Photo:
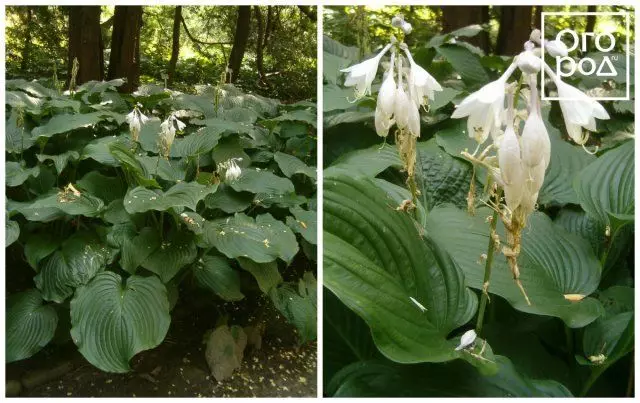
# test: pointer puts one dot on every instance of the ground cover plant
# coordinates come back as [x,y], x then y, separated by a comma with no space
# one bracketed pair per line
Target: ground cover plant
[120,204]
[478,241]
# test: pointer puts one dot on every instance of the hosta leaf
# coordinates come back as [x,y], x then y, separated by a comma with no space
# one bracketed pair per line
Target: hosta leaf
[606,186]
[70,202]
[216,125]
[553,263]
[76,263]
[169,170]
[193,221]
[444,179]
[464,62]
[367,162]
[298,305]
[228,200]
[130,164]
[290,165]
[287,200]
[304,223]
[17,139]
[299,115]
[259,181]
[60,161]
[576,221]
[16,174]
[99,150]
[135,250]
[33,212]
[263,240]
[566,162]
[183,194]
[266,274]
[114,320]
[200,142]
[106,188]
[30,325]
[375,261]
[21,100]
[11,231]
[216,274]
[67,122]
[457,379]
[171,255]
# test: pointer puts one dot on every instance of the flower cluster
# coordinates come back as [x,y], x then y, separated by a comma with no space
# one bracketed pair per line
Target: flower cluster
[136,119]
[168,130]
[522,158]
[231,169]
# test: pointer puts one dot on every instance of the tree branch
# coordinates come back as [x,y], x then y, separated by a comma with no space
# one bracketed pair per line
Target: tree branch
[309,12]
[199,42]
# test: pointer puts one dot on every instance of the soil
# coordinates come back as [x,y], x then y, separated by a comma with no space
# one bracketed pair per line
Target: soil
[177,368]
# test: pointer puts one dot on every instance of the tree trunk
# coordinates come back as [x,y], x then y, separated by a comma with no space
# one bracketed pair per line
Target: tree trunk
[259,42]
[26,50]
[240,38]
[537,18]
[125,47]
[309,11]
[591,25]
[175,48]
[515,29]
[454,17]
[85,43]
[268,28]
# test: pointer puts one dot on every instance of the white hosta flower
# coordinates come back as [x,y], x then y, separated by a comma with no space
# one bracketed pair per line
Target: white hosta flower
[136,119]
[535,177]
[536,146]
[528,62]
[467,339]
[402,107]
[406,28]
[422,84]
[511,170]
[362,74]
[233,172]
[556,48]
[579,111]
[383,122]
[484,108]
[387,93]
[168,134]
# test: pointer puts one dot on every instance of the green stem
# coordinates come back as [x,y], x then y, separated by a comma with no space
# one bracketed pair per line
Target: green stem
[595,374]
[487,273]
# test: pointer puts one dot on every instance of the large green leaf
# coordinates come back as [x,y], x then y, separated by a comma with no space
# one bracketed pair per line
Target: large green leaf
[30,325]
[290,165]
[464,62]
[216,274]
[458,379]
[69,202]
[17,138]
[605,187]
[99,150]
[79,260]
[576,221]
[262,240]
[114,320]
[60,161]
[130,164]
[183,194]
[228,200]
[266,274]
[367,162]
[200,142]
[16,174]
[304,223]
[107,188]
[261,181]
[553,263]
[298,305]
[376,261]
[168,169]
[66,122]
[11,231]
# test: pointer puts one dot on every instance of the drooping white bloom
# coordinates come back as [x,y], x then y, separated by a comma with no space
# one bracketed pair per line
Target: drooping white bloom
[579,110]
[362,74]
[407,28]
[510,162]
[421,83]
[233,172]
[383,122]
[387,93]
[168,134]
[136,119]
[536,146]
[467,339]
[527,61]
[484,108]
[405,111]
[556,48]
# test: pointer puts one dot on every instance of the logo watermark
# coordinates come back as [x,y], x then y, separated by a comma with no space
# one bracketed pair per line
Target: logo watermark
[607,63]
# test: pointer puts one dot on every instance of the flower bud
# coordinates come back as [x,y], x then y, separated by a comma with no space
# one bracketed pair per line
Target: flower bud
[528,62]
[467,339]
[556,48]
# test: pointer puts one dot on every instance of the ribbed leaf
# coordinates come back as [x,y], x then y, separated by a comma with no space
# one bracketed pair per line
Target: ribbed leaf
[375,261]
[606,186]
[368,162]
[263,240]
[553,263]
[60,161]
[71,203]
[66,122]
[106,188]
[290,165]
[228,200]
[259,181]
[183,194]
[11,231]
[266,274]
[298,305]
[114,320]
[304,223]
[16,174]
[30,325]
[200,142]
[80,259]
[216,274]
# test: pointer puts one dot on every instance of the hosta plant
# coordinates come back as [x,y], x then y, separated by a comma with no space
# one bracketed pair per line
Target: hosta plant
[114,201]
[507,269]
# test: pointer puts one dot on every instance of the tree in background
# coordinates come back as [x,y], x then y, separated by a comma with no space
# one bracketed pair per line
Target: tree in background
[454,17]
[243,23]
[85,43]
[175,45]
[515,28]
[125,46]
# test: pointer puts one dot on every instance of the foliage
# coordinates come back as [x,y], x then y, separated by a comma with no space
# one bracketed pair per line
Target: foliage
[380,257]
[111,229]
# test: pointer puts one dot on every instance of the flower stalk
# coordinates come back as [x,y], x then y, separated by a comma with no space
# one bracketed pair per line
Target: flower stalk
[484,298]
